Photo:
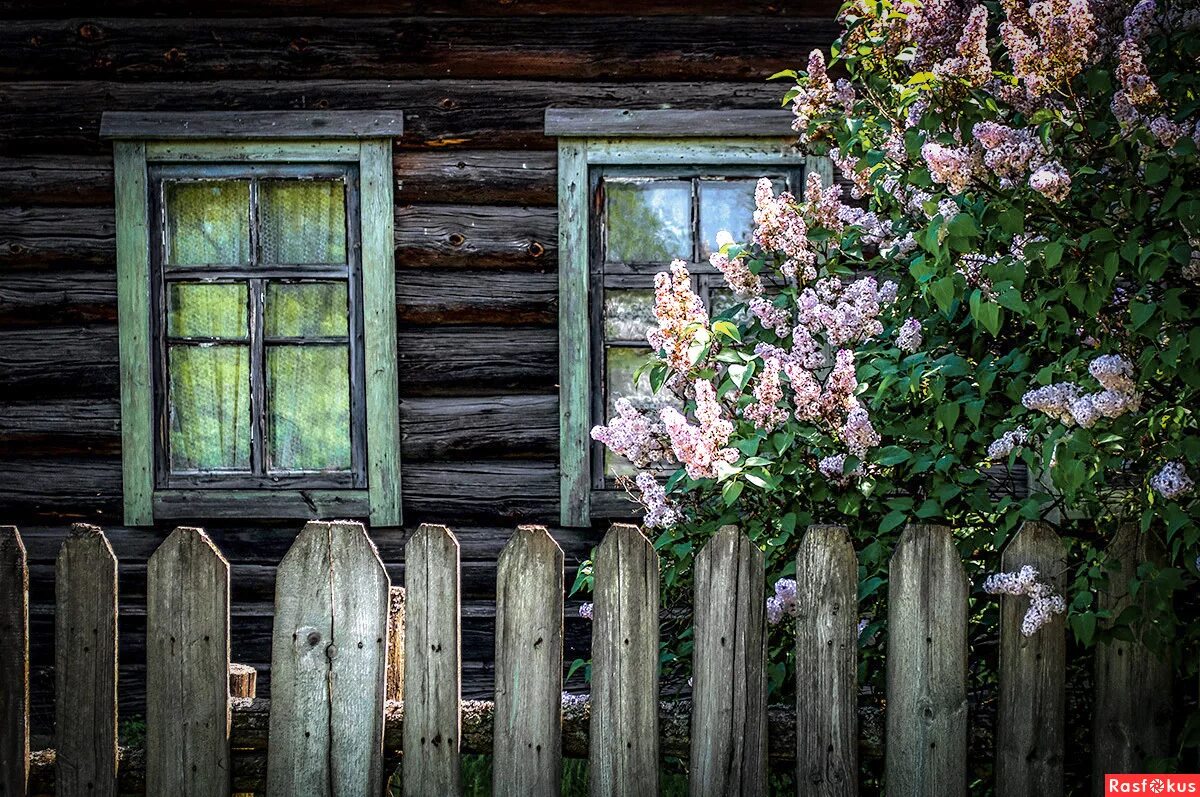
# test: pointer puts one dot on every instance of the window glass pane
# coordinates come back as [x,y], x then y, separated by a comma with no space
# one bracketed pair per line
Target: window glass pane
[207,310]
[628,314]
[209,395]
[649,222]
[306,309]
[208,222]
[621,364]
[722,299]
[308,407]
[303,221]
[727,205]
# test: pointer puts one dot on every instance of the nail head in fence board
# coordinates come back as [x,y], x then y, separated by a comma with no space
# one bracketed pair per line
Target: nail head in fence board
[927,666]
[1030,727]
[395,654]
[85,664]
[432,676]
[1132,714]
[328,664]
[729,696]
[623,744]
[527,739]
[826,664]
[187,668]
[14,664]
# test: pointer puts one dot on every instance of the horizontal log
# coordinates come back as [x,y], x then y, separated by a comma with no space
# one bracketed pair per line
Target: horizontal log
[623,122]
[485,177]
[64,116]
[34,298]
[689,47]
[247,125]
[58,180]
[17,9]
[468,236]
[443,428]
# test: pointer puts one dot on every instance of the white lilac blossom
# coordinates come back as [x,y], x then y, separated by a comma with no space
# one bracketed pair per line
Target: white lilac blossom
[1114,372]
[741,280]
[764,412]
[908,337]
[1004,445]
[585,611]
[1044,603]
[661,513]
[832,467]
[817,96]
[858,434]
[1069,404]
[780,227]
[681,315]
[1052,181]
[633,435]
[952,166]
[783,603]
[700,447]
[1172,481]
[1054,400]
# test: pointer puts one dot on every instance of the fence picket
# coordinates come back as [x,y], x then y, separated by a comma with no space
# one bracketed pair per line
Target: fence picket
[927,666]
[432,675]
[187,668]
[1132,714]
[826,664]
[395,650]
[14,664]
[85,665]
[623,743]
[729,682]
[527,737]
[327,665]
[1030,725]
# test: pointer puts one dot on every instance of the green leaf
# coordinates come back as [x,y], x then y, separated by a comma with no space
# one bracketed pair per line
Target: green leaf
[1053,254]
[1084,626]
[892,520]
[948,414]
[943,293]
[728,329]
[893,455]
[731,491]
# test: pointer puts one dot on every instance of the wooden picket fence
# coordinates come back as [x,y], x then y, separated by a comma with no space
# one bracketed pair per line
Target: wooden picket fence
[361,674]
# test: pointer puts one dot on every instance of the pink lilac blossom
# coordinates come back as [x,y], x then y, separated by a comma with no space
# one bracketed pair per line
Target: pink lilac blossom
[932,28]
[952,166]
[633,435]
[1052,181]
[972,63]
[816,95]
[1172,481]
[681,315]
[1004,445]
[1008,152]
[823,204]
[779,227]
[908,337]
[764,412]
[1048,41]
[700,447]
[833,466]
[1044,602]
[771,317]
[738,276]
[660,512]
[783,603]
[858,434]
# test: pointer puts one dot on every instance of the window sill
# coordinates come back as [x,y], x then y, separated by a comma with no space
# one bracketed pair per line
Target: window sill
[260,504]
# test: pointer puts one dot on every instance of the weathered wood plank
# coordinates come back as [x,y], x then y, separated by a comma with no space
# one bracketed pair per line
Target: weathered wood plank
[574,331]
[624,744]
[395,650]
[826,664]
[1033,669]
[167,126]
[474,236]
[60,180]
[85,665]
[688,47]
[243,681]
[494,177]
[927,666]
[729,694]
[14,664]
[328,665]
[527,746]
[629,123]
[432,677]
[187,668]
[1131,719]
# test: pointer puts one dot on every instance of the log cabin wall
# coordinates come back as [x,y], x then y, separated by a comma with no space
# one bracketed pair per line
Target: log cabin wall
[475,247]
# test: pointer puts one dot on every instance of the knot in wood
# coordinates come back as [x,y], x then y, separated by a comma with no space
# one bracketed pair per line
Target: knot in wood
[90,32]
[331,651]
[536,249]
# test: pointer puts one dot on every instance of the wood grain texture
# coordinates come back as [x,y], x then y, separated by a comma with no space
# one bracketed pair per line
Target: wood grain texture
[629,123]
[187,668]
[243,681]
[14,664]
[624,739]
[432,676]
[527,741]
[168,126]
[927,666]
[328,665]
[85,665]
[56,180]
[574,336]
[1030,726]
[826,664]
[1132,713]
[729,684]
[485,177]
[395,652]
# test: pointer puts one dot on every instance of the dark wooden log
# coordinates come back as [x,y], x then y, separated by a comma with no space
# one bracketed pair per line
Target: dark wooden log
[689,47]
[68,237]
[50,116]
[54,297]
[60,428]
[479,178]
[239,125]
[65,180]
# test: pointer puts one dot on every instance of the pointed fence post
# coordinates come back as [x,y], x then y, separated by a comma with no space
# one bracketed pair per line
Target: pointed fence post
[85,665]
[729,686]
[527,732]
[1033,669]
[14,664]
[623,744]
[1132,713]
[826,664]
[432,734]
[328,662]
[187,668]
[927,666]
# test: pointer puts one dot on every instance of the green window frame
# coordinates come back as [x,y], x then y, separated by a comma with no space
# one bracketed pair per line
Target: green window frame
[351,149]
[616,144]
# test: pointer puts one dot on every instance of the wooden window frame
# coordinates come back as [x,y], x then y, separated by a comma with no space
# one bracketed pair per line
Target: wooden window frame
[358,140]
[590,142]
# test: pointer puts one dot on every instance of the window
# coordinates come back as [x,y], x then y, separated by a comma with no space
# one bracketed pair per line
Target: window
[257,311]
[634,194]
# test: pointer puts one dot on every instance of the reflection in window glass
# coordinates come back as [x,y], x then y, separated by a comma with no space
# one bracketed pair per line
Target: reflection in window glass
[303,221]
[208,222]
[308,407]
[306,309]
[209,393]
[648,222]
[207,310]
[721,299]
[628,314]
[725,205]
